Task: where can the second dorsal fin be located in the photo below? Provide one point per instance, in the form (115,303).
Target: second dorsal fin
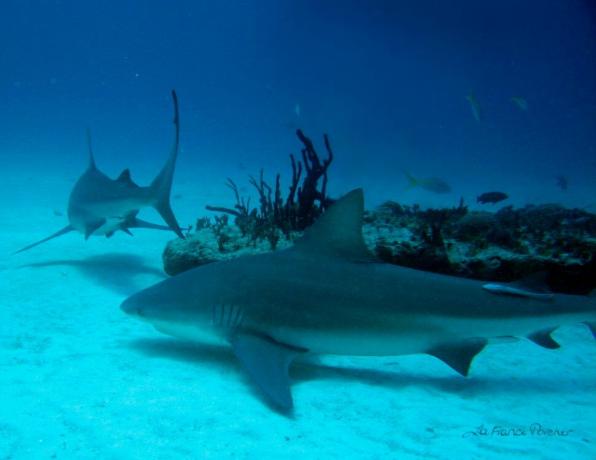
(125,176)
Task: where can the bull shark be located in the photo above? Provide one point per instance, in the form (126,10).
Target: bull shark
(329,295)
(99,205)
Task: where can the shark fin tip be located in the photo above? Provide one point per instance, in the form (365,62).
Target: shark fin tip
(544,339)
(459,356)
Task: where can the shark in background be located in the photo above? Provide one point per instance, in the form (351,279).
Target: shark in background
(329,295)
(99,205)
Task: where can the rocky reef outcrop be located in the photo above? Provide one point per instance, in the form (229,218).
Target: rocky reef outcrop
(505,245)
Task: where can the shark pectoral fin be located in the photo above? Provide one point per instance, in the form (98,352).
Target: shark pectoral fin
(459,355)
(60,232)
(544,339)
(92,226)
(266,362)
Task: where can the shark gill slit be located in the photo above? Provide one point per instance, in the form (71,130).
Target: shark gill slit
(227,316)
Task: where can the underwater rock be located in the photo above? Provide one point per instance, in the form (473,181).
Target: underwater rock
(504,246)
(212,243)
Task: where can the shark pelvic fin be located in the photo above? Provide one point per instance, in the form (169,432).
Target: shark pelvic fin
(459,355)
(544,339)
(60,232)
(267,363)
(338,232)
(92,226)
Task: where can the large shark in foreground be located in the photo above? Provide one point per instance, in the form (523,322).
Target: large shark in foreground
(99,205)
(327,294)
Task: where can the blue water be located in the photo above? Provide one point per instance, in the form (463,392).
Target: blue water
(387,80)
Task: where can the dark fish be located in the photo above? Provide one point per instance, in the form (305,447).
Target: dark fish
(491,197)
(562,182)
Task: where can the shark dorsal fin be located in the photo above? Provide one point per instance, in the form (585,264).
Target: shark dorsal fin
(338,232)
(125,176)
(90,148)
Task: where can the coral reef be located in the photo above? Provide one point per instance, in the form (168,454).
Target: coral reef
(276,216)
(507,245)
(503,246)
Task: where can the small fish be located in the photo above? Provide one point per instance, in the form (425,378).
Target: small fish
(431,184)
(520,103)
(491,197)
(297,110)
(474,106)
(562,182)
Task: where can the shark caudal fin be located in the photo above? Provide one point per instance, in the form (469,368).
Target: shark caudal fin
(162,185)
(61,232)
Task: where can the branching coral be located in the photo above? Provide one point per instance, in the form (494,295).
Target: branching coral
(306,200)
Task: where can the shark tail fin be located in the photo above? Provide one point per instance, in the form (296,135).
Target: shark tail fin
(60,232)
(412,181)
(162,184)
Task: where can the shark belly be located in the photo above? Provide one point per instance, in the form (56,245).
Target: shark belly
(356,343)
(190,332)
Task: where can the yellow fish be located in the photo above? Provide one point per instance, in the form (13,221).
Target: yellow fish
(475,106)
(520,103)
(432,184)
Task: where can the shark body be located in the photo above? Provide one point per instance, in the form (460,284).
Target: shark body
(329,295)
(99,205)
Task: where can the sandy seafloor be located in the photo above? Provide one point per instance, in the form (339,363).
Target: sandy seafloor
(79,379)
